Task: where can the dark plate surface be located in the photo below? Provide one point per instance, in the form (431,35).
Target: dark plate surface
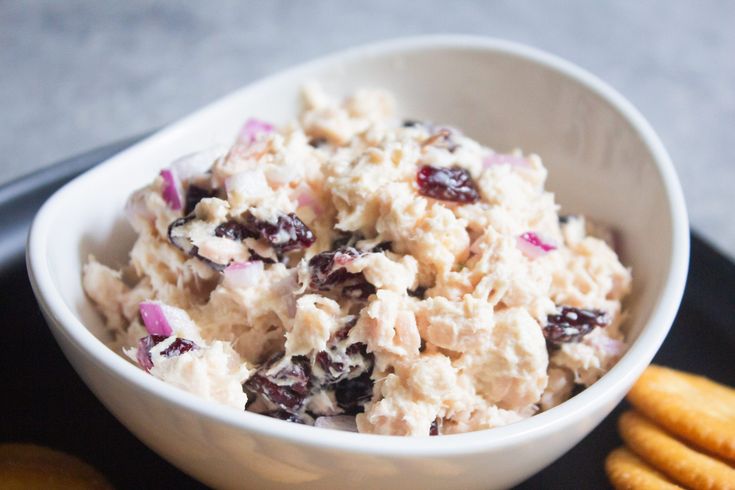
(46,402)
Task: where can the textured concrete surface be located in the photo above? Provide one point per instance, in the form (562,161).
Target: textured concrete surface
(77,74)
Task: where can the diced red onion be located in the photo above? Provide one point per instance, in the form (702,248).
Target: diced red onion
(154,318)
(501,159)
(196,163)
(243,274)
(250,183)
(337,422)
(533,246)
(166,321)
(171,189)
(252,129)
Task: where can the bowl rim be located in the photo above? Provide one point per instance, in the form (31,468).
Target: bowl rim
(64,322)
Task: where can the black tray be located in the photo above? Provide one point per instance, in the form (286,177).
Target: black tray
(48,404)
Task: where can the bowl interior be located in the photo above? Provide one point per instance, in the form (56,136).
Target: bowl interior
(598,165)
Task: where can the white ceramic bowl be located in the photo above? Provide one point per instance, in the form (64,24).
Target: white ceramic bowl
(604,160)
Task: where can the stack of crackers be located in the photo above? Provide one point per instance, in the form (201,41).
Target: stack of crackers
(681,434)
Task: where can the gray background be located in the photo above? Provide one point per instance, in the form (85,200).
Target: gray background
(76,74)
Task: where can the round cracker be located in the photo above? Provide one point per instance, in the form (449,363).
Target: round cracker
(27,466)
(627,471)
(670,456)
(692,407)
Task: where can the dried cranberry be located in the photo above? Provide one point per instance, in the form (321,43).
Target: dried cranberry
(194,195)
(286,388)
(336,365)
(347,240)
(279,395)
(353,350)
(298,374)
(177,347)
(324,277)
(571,324)
(180,240)
(332,368)
(344,332)
(286,234)
(434,429)
(360,290)
(144,350)
(325,281)
(447,184)
(359,348)
(238,232)
(352,393)
(382,247)
(322,266)
(178,235)
(419,292)
(256,256)
(234,231)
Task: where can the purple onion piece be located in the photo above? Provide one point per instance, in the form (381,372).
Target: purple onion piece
(154,318)
(533,246)
(252,129)
(170,191)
